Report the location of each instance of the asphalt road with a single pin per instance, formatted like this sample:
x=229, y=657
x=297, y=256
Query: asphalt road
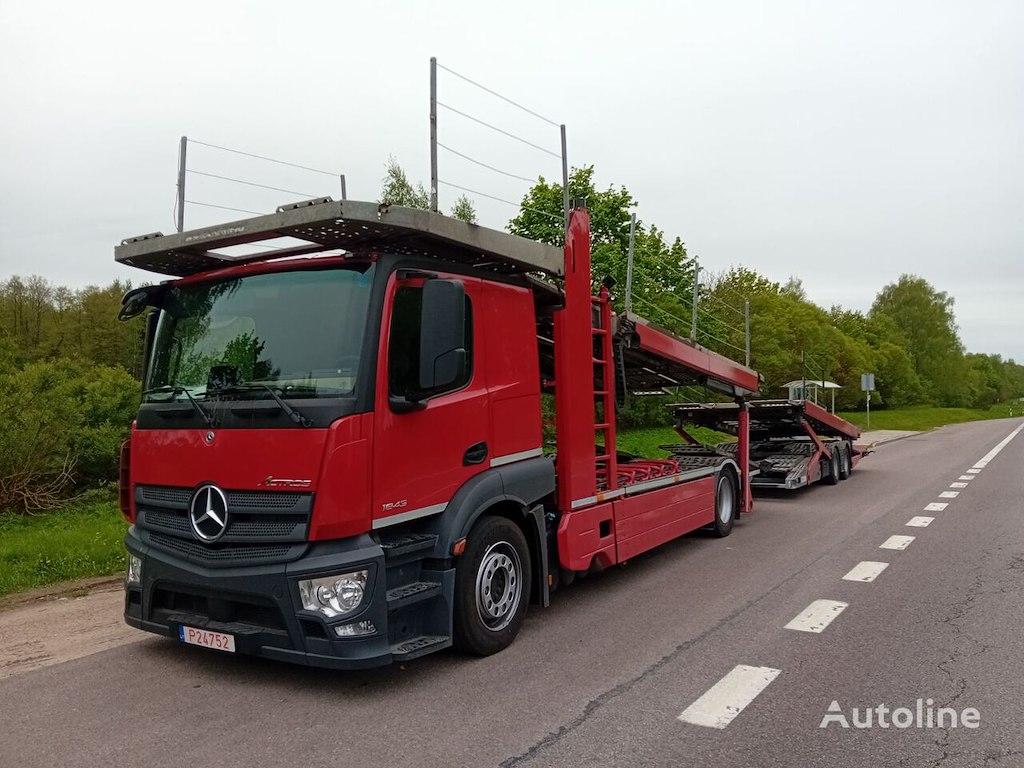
x=602, y=677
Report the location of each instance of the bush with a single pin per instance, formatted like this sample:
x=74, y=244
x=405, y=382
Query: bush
x=61, y=423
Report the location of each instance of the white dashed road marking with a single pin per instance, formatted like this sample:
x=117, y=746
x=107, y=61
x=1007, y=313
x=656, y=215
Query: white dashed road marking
x=897, y=542
x=723, y=701
x=816, y=616
x=984, y=460
x=949, y=494
x=920, y=521
x=958, y=485
x=966, y=477
x=936, y=506
x=865, y=571
x=974, y=471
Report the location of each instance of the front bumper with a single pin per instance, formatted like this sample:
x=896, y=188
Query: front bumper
x=259, y=604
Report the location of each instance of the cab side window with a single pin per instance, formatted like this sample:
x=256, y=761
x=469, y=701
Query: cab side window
x=404, y=344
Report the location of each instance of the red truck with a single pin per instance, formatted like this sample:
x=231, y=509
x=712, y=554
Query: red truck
x=339, y=458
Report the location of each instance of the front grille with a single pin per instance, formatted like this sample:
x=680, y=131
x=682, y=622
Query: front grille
x=180, y=497
x=167, y=521
x=262, y=525
x=234, y=553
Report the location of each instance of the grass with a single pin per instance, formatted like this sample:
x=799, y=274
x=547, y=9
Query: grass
x=82, y=540
x=923, y=418
x=645, y=442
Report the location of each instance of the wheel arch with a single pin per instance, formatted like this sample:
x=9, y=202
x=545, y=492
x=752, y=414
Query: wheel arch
x=514, y=491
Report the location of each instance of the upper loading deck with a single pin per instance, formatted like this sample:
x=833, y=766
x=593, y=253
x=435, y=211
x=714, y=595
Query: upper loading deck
x=768, y=419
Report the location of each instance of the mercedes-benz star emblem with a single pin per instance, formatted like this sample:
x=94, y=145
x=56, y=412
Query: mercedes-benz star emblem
x=208, y=513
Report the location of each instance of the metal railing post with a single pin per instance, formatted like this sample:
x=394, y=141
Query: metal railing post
x=565, y=181
x=182, y=147
x=693, y=306
x=746, y=323
x=433, y=134
x=629, y=265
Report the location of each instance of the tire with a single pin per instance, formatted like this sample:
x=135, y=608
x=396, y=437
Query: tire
x=845, y=464
x=833, y=467
x=726, y=502
x=496, y=564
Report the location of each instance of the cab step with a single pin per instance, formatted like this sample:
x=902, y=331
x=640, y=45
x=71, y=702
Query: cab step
x=415, y=647
x=411, y=546
x=408, y=594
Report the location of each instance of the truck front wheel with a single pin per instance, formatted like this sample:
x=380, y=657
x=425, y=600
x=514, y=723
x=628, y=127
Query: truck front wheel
x=492, y=587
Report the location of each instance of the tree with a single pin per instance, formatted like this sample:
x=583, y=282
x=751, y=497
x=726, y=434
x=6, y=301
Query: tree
x=923, y=323
x=398, y=190
x=464, y=210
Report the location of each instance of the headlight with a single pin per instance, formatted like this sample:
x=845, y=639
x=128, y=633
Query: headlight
x=334, y=595
x=134, y=570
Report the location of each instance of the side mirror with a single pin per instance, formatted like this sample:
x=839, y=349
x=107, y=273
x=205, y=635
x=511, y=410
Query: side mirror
x=442, y=334
x=137, y=300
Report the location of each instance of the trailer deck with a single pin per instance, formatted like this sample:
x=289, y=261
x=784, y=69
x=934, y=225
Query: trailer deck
x=791, y=441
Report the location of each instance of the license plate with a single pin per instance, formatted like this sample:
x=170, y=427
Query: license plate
x=207, y=639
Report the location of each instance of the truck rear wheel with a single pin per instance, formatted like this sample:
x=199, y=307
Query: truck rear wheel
x=833, y=466
x=492, y=587
x=845, y=464
x=726, y=498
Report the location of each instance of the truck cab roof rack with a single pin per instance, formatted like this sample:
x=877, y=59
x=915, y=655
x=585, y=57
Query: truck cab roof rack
x=324, y=224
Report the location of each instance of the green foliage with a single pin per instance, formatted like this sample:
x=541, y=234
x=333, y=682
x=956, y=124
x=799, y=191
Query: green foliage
x=464, y=210
x=647, y=442
x=62, y=424
x=909, y=339
x=662, y=270
x=398, y=190
x=83, y=540
x=922, y=322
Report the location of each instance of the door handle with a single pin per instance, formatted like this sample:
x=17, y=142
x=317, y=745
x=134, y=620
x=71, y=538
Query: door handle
x=475, y=454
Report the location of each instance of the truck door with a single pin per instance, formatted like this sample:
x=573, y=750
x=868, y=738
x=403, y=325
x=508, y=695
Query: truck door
x=424, y=452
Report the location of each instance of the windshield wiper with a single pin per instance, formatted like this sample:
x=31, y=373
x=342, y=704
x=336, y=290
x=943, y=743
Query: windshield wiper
x=172, y=389
x=293, y=414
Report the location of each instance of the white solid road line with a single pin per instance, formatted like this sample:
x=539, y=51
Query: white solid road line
x=723, y=701
x=920, y=521
x=896, y=542
x=974, y=471
x=958, y=485
x=936, y=506
x=816, y=616
x=967, y=477
x=984, y=460
x=949, y=494
x=867, y=570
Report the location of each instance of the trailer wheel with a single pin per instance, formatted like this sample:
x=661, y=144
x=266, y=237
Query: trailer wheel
x=492, y=587
x=726, y=498
x=833, y=466
x=845, y=464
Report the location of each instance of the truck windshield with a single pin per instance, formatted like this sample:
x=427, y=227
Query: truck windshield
x=300, y=333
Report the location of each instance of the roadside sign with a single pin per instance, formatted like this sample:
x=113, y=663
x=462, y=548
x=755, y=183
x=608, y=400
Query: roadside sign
x=867, y=382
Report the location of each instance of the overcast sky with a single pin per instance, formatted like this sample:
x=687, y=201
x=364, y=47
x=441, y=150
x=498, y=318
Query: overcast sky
x=841, y=143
